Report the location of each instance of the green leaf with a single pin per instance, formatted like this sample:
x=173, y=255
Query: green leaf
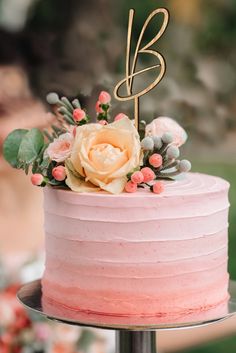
x=45, y=163
x=31, y=145
x=48, y=136
x=76, y=103
x=11, y=146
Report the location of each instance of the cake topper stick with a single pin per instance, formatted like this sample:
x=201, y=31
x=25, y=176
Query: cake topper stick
x=130, y=69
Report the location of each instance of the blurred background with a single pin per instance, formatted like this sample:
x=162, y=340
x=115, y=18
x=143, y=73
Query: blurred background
x=76, y=48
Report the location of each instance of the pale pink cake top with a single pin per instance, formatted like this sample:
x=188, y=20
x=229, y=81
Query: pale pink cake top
x=193, y=188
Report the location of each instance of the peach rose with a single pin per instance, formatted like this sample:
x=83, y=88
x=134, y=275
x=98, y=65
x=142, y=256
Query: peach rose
x=102, y=156
x=60, y=149
x=161, y=125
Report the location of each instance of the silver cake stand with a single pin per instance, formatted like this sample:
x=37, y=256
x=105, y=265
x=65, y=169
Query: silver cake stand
x=130, y=337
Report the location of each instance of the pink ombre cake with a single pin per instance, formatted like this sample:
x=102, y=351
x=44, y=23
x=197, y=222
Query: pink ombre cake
x=138, y=255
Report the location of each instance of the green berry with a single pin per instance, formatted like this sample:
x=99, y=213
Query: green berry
x=52, y=98
x=184, y=166
x=167, y=138
x=147, y=144
x=157, y=142
x=172, y=152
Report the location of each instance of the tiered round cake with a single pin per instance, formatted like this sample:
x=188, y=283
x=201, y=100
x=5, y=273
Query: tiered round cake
x=138, y=255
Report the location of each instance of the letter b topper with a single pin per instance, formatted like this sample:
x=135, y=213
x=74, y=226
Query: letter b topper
x=130, y=70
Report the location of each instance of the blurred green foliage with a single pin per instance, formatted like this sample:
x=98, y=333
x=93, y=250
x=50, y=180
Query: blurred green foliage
x=227, y=172
x=219, y=27
x=226, y=345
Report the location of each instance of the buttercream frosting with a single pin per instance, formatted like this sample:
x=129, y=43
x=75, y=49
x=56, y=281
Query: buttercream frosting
x=138, y=255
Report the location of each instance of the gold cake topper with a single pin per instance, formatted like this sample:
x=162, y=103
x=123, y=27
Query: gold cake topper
x=130, y=69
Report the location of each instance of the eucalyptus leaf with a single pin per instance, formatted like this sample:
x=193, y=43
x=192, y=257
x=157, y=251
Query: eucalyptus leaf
x=11, y=146
x=31, y=145
x=45, y=163
x=76, y=103
x=48, y=136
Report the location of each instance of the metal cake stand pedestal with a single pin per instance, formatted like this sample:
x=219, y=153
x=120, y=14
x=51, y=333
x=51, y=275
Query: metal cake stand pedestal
x=130, y=337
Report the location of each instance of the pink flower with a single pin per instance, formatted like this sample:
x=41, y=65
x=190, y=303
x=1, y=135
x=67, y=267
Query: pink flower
x=42, y=331
x=137, y=177
x=79, y=115
x=104, y=97
x=60, y=149
x=131, y=187
x=37, y=179
x=158, y=187
x=148, y=174
x=59, y=173
x=98, y=108
x=120, y=116
x=156, y=160
x=103, y=122
x=162, y=125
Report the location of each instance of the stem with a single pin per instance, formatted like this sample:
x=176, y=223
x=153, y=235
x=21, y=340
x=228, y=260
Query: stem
x=136, y=112
x=170, y=164
x=171, y=174
x=163, y=148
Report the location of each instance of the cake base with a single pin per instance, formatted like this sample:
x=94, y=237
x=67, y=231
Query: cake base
x=30, y=296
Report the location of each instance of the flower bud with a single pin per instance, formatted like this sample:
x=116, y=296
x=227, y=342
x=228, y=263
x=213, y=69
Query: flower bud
x=98, y=108
x=104, y=97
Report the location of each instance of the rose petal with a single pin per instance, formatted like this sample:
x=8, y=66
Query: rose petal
x=116, y=186
x=79, y=185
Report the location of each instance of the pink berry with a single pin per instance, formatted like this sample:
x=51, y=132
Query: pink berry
x=79, y=114
x=104, y=97
x=131, y=187
x=156, y=160
x=37, y=179
x=120, y=116
x=158, y=187
x=148, y=174
x=98, y=108
x=103, y=122
x=59, y=173
x=137, y=177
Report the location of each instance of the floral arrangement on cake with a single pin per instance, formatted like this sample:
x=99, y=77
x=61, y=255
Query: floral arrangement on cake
x=107, y=155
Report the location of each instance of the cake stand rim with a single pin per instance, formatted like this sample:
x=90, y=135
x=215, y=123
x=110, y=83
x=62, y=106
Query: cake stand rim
x=136, y=327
